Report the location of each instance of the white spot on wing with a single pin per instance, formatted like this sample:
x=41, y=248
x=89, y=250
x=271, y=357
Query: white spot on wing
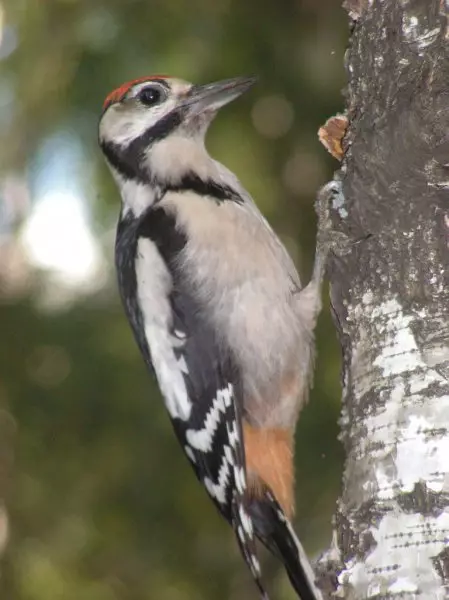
x=229, y=455
x=240, y=481
x=233, y=435
x=202, y=439
x=183, y=365
x=228, y=395
x=240, y=533
x=168, y=373
x=218, y=490
x=256, y=564
x=190, y=453
x=246, y=521
x=153, y=285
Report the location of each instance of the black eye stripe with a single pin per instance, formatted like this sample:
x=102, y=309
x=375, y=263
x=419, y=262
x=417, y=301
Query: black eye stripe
x=127, y=160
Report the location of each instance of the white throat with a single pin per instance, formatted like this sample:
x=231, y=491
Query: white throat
x=176, y=155
x=137, y=197
x=168, y=161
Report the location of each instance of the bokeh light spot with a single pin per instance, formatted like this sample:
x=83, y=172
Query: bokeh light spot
x=273, y=116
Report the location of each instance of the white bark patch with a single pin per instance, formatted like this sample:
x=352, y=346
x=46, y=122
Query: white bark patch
x=398, y=444
x=400, y=351
x=415, y=33
x=338, y=200
x=419, y=453
x=406, y=543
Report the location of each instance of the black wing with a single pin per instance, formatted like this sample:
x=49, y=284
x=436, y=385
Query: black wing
x=211, y=432
x=212, y=437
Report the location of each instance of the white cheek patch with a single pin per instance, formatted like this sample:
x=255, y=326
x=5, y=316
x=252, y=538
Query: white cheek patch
x=124, y=123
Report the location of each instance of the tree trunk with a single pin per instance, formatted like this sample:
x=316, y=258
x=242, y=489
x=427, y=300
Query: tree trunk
x=390, y=299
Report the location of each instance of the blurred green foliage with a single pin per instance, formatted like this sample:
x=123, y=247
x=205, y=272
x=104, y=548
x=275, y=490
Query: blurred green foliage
x=102, y=505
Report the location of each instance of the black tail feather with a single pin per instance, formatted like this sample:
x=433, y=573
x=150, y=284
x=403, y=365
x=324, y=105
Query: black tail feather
x=274, y=530
x=243, y=527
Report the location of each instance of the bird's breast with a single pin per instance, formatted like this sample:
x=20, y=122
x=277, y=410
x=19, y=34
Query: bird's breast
x=237, y=269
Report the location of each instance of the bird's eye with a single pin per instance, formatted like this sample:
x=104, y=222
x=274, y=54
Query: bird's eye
x=150, y=95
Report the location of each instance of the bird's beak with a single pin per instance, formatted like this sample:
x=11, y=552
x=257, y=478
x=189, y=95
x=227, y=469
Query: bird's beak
x=212, y=96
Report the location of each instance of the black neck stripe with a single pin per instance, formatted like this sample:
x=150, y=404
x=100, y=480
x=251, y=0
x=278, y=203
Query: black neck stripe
x=193, y=183
x=128, y=160
x=161, y=228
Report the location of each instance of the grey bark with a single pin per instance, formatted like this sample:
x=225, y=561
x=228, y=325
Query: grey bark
x=390, y=298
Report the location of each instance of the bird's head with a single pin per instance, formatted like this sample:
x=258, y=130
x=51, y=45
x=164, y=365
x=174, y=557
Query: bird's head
x=154, y=127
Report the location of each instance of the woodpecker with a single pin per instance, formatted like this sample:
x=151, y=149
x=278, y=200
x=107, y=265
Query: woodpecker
x=216, y=307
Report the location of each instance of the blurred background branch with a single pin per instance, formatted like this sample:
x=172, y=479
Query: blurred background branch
x=101, y=504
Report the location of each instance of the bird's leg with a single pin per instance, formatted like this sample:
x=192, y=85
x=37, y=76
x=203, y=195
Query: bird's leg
x=327, y=240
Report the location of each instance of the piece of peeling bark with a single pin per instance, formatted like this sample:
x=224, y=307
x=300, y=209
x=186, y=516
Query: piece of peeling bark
x=331, y=135
x=390, y=300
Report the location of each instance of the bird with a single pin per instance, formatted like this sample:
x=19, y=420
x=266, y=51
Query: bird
x=216, y=307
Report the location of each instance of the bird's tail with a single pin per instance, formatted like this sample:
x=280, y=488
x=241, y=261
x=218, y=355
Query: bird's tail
x=275, y=531
x=244, y=530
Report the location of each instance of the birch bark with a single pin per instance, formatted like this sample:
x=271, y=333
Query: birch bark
x=390, y=300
